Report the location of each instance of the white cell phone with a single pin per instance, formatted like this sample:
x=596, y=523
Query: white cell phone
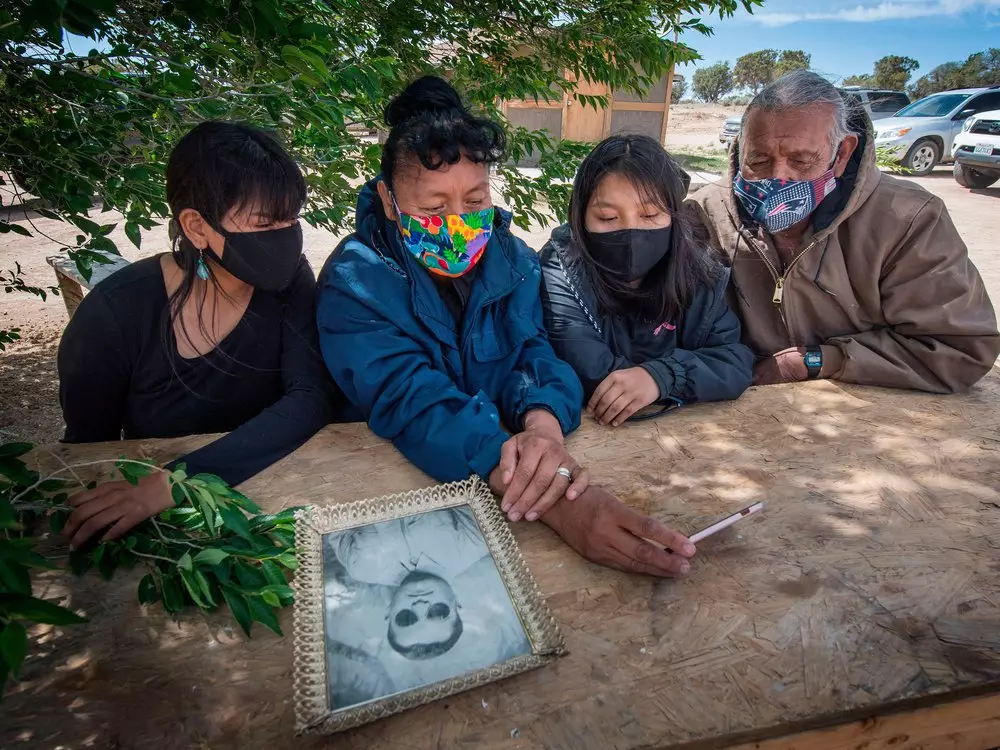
x=725, y=523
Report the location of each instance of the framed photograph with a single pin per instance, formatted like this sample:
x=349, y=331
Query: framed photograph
x=406, y=599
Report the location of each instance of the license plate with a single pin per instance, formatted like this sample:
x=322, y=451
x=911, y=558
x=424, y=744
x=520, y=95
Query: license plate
x=984, y=148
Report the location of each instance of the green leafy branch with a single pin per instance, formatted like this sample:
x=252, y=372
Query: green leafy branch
x=215, y=548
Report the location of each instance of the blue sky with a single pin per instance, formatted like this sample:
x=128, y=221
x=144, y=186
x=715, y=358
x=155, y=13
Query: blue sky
x=848, y=36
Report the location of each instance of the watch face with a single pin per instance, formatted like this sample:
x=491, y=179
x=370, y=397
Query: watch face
x=814, y=359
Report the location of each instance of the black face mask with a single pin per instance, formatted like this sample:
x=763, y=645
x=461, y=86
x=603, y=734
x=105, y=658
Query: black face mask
x=265, y=260
x=629, y=253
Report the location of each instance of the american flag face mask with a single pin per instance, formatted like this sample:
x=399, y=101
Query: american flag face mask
x=778, y=204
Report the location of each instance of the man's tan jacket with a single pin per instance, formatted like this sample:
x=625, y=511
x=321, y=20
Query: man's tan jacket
x=883, y=277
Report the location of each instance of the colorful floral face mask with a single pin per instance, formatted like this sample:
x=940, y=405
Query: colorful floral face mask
x=449, y=245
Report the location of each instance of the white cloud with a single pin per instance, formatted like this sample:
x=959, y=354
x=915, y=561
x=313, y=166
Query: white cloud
x=884, y=11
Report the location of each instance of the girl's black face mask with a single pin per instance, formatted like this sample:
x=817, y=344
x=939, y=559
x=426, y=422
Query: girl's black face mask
x=629, y=253
x=266, y=260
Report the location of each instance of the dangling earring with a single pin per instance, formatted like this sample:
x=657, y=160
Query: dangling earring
x=201, y=269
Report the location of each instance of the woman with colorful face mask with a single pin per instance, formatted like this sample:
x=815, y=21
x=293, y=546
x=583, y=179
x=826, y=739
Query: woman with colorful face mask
x=632, y=300
x=430, y=320
x=217, y=336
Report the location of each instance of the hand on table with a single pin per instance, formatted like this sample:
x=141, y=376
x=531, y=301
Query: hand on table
x=527, y=477
x=788, y=366
x=117, y=507
x=621, y=394
x=603, y=530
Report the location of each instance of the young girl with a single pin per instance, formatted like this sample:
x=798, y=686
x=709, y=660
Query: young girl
x=217, y=336
x=632, y=301
x=430, y=321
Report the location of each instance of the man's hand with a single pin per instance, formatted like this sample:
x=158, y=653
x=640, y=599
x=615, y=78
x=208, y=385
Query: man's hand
x=117, y=507
x=621, y=394
x=527, y=477
x=788, y=366
x=605, y=531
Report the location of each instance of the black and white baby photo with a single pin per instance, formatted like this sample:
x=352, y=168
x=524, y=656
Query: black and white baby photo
x=411, y=602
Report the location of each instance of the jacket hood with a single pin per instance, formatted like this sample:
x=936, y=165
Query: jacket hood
x=854, y=187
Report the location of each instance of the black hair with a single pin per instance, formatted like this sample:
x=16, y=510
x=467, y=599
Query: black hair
x=218, y=167
x=668, y=288
x=429, y=123
x=421, y=651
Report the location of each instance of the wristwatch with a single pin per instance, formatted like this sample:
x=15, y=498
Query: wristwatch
x=814, y=361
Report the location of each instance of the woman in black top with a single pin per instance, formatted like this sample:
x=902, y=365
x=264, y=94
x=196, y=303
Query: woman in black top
x=217, y=336
x=632, y=300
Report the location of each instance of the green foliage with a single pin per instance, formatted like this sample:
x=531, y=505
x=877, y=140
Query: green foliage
x=864, y=80
x=791, y=59
x=207, y=551
x=712, y=83
x=979, y=69
x=887, y=160
x=755, y=70
x=893, y=72
x=677, y=92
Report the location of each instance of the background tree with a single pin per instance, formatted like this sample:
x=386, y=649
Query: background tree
x=893, y=72
x=678, y=91
x=94, y=129
x=755, y=70
x=978, y=69
x=712, y=83
x=791, y=59
x=864, y=80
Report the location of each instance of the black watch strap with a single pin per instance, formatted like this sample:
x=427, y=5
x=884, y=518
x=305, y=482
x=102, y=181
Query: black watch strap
x=814, y=361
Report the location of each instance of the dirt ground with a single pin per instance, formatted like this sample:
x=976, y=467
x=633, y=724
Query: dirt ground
x=29, y=396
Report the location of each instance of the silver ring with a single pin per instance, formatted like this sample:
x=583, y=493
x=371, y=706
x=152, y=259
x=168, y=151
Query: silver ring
x=564, y=472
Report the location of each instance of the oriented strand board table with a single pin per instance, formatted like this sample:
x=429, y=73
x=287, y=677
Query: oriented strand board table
x=861, y=610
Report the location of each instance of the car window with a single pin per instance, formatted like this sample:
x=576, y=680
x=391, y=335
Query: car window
x=985, y=102
x=937, y=105
x=887, y=101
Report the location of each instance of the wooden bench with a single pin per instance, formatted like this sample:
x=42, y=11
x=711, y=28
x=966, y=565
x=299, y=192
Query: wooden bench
x=71, y=281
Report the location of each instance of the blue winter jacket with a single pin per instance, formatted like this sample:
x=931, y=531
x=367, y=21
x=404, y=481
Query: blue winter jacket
x=394, y=348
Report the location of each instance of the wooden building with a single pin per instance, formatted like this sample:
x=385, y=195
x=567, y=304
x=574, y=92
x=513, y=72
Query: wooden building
x=626, y=113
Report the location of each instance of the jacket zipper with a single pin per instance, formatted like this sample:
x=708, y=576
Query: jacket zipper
x=779, y=278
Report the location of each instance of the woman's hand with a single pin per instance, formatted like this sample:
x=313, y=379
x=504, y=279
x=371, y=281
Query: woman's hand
x=621, y=394
x=527, y=477
x=117, y=507
x=603, y=530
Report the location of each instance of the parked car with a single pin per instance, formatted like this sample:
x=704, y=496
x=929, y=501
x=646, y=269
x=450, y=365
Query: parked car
x=876, y=102
x=976, y=151
x=922, y=134
x=730, y=130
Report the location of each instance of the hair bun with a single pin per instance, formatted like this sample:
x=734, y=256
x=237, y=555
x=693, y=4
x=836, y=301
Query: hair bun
x=427, y=94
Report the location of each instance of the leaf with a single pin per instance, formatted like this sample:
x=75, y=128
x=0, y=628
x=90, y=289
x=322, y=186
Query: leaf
x=208, y=509
x=17, y=472
x=14, y=578
x=271, y=598
x=37, y=610
x=289, y=560
x=14, y=646
x=147, y=590
x=13, y=450
x=185, y=563
x=194, y=590
x=273, y=573
x=234, y=520
x=239, y=607
x=210, y=556
x=173, y=599
x=263, y=614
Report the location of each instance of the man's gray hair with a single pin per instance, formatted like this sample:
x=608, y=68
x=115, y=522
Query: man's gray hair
x=798, y=89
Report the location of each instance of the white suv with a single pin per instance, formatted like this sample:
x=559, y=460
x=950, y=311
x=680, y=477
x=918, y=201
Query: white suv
x=977, y=151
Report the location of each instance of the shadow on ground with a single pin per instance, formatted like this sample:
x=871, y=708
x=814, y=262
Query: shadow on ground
x=29, y=389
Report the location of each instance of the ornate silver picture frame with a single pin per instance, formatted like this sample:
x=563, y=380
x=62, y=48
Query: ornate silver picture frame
x=405, y=599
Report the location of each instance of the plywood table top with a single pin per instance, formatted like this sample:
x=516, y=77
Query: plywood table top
x=869, y=585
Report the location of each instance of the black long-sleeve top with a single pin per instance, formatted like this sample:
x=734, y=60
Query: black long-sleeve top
x=121, y=376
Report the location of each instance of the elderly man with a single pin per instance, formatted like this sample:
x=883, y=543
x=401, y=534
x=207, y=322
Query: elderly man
x=840, y=271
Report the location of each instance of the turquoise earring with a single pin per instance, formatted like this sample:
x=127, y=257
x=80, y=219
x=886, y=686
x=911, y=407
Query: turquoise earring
x=201, y=269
